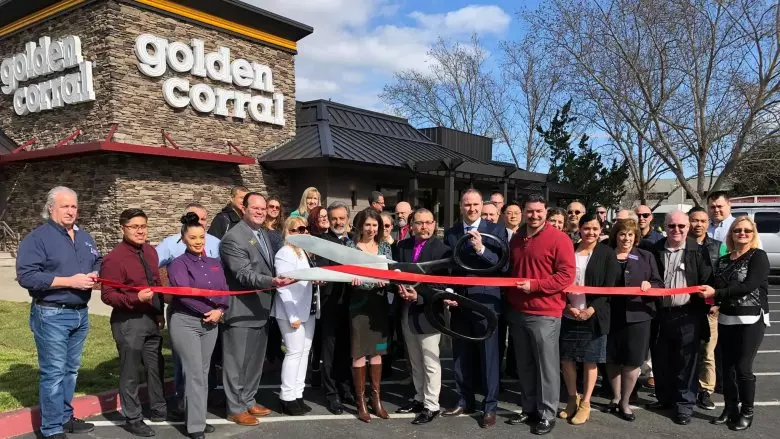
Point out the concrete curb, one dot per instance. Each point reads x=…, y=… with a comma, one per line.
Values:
x=27, y=420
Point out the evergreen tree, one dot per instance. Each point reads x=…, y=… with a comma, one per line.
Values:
x=582, y=168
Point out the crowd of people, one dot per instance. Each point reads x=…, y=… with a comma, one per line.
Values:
x=342, y=333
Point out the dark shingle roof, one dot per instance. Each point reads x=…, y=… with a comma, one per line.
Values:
x=328, y=129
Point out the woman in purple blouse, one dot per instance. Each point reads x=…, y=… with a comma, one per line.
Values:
x=194, y=322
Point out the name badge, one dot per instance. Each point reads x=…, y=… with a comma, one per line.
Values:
x=634, y=257
x=682, y=266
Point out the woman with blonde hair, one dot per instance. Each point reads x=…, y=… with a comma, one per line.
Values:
x=294, y=313
x=741, y=282
x=309, y=200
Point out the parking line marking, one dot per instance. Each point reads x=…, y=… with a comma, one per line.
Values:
x=766, y=373
x=769, y=352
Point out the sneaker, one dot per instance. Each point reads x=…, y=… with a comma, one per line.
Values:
x=704, y=401
x=78, y=426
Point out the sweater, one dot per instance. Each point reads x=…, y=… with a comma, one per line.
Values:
x=547, y=259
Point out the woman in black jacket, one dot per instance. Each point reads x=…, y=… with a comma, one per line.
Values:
x=585, y=322
x=629, y=337
x=741, y=283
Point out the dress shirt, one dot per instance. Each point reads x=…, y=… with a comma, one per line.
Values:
x=418, y=246
x=674, y=276
x=196, y=271
x=123, y=265
x=48, y=252
x=173, y=246
x=475, y=226
x=720, y=231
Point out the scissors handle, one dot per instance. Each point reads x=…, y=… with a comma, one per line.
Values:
x=435, y=297
x=463, y=241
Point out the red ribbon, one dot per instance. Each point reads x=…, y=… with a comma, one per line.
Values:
x=180, y=291
x=377, y=273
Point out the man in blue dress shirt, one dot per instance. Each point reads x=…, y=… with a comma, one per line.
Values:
x=58, y=264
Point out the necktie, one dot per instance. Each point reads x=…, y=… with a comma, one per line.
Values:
x=263, y=246
x=149, y=278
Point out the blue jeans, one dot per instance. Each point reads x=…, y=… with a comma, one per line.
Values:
x=59, y=337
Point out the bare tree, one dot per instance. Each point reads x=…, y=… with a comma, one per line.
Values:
x=451, y=93
x=694, y=79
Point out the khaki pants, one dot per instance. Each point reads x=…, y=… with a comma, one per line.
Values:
x=707, y=374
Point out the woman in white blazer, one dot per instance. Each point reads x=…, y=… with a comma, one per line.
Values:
x=295, y=315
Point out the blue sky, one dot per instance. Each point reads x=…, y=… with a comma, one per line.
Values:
x=357, y=45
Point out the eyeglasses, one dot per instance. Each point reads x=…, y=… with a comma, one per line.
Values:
x=739, y=231
x=387, y=226
x=574, y=212
x=676, y=226
x=136, y=227
x=273, y=207
x=644, y=215
x=301, y=229
x=423, y=223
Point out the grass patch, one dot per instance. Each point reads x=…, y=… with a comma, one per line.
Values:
x=19, y=360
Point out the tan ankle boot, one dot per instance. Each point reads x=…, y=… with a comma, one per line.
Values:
x=583, y=413
x=359, y=377
x=571, y=407
x=376, y=402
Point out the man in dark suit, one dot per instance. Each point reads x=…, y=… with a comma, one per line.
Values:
x=478, y=253
x=681, y=320
x=335, y=354
x=421, y=338
x=247, y=254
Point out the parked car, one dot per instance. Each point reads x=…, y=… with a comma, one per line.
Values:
x=765, y=211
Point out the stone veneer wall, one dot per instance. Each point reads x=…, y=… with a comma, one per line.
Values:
x=107, y=183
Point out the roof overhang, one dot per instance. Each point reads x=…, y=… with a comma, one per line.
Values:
x=79, y=149
x=232, y=16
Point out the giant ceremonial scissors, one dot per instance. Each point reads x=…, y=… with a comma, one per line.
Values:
x=433, y=297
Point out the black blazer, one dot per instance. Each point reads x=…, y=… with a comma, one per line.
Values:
x=698, y=271
x=433, y=249
x=640, y=266
x=603, y=270
x=489, y=296
x=332, y=292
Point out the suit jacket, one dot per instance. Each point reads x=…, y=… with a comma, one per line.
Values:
x=640, y=266
x=698, y=271
x=433, y=249
x=331, y=290
x=247, y=268
x=603, y=270
x=490, y=296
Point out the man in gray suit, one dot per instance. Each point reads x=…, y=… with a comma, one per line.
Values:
x=248, y=257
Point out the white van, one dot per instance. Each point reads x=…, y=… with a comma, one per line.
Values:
x=765, y=211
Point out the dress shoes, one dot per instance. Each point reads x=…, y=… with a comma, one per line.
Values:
x=306, y=407
x=291, y=408
x=729, y=416
x=258, y=410
x=488, y=420
x=744, y=421
x=243, y=418
x=335, y=407
x=349, y=398
x=425, y=416
x=630, y=417
x=77, y=426
x=209, y=429
x=543, y=427
x=139, y=428
x=682, y=419
x=518, y=419
x=457, y=411
x=412, y=407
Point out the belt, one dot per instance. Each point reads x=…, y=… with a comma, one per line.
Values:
x=59, y=305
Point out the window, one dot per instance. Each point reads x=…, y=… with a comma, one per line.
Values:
x=767, y=222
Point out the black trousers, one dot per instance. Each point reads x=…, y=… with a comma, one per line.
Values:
x=739, y=346
x=675, y=352
x=139, y=342
x=335, y=357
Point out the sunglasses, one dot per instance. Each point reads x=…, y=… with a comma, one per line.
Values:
x=740, y=231
x=301, y=229
x=272, y=207
x=388, y=226
x=574, y=212
x=676, y=226
x=644, y=215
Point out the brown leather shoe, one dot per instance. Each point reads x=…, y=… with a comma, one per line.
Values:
x=258, y=410
x=457, y=411
x=489, y=420
x=243, y=418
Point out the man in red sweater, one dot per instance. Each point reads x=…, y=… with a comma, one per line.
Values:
x=545, y=257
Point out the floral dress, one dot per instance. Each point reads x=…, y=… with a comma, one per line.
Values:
x=368, y=310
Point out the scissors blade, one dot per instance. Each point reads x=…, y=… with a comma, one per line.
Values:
x=335, y=252
x=325, y=275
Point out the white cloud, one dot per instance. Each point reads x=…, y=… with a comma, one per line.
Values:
x=358, y=44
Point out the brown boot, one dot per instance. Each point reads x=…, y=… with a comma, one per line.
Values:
x=376, y=402
x=571, y=407
x=359, y=377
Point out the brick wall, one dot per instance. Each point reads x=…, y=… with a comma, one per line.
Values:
x=107, y=183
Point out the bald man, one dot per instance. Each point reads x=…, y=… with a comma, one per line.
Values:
x=401, y=228
x=645, y=220
x=490, y=212
x=625, y=214
x=574, y=212
x=681, y=319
